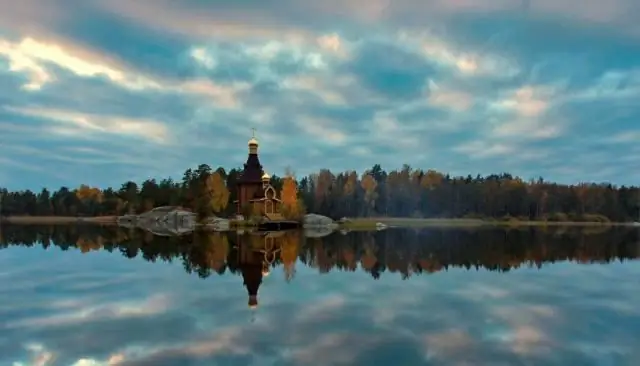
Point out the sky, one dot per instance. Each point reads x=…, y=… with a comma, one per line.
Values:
x=100, y=92
x=102, y=309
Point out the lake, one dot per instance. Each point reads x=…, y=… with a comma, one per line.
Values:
x=82, y=295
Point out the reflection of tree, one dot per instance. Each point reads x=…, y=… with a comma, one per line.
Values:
x=86, y=245
x=404, y=252
x=289, y=255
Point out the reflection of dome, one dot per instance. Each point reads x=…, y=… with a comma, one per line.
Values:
x=253, y=301
x=266, y=272
x=253, y=142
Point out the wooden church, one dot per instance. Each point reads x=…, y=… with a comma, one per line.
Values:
x=255, y=193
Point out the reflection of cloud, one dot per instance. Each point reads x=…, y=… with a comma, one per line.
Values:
x=122, y=310
x=528, y=340
x=448, y=343
x=335, y=318
x=524, y=315
x=229, y=341
x=319, y=309
x=333, y=349
x=479, y=292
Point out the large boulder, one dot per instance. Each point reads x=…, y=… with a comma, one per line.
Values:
x=313, y=220
x=161, y=219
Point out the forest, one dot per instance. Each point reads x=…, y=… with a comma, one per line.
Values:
x=423, y=251
x=404, y=192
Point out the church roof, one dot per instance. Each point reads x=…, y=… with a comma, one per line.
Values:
x=252, y=172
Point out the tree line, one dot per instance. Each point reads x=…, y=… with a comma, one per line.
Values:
x=404, y=192
x=423, y=251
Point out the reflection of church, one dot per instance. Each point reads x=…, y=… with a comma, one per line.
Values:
x=256, y=254
x=255, y=193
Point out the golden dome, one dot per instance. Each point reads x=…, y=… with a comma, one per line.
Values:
x=253, y=142
x=266, y=176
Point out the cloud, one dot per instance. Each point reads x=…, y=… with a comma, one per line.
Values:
x=389, y=70
x=77, y=124
x=30, y=56
x=463, y=87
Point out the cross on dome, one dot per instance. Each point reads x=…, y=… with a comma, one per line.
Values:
x=253, y=140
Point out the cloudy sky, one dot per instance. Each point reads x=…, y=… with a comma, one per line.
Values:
x=100, y=92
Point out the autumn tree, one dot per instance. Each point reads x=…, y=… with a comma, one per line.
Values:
x=89, y=197
x=84, y=192
x=217, y=192
x=291, y=207
x=369, y=185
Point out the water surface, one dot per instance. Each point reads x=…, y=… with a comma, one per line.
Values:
x=77, y=296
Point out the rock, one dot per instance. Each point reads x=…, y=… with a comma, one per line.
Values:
x=313, y=220
x=165, y=220
x=161, y=230
x=127, y=221
x=217, y=224
x=318, y=232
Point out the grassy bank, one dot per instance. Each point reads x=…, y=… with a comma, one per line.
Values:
x=58, y=220
x=370, y=223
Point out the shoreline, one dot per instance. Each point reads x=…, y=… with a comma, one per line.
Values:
x=351, y=223
x=370, y=223
x=58, y=220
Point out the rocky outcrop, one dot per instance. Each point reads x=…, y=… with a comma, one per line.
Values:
x=317, y=221
x=166, y=220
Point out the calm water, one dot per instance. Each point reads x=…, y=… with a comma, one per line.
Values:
x=76, y=296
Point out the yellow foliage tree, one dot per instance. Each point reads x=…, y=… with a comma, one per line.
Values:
x=84, y=192
x=369, y=185
x=217, y=192
x=291, y=207
x=431, y=179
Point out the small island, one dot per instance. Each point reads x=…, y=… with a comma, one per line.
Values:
x=249, y=197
